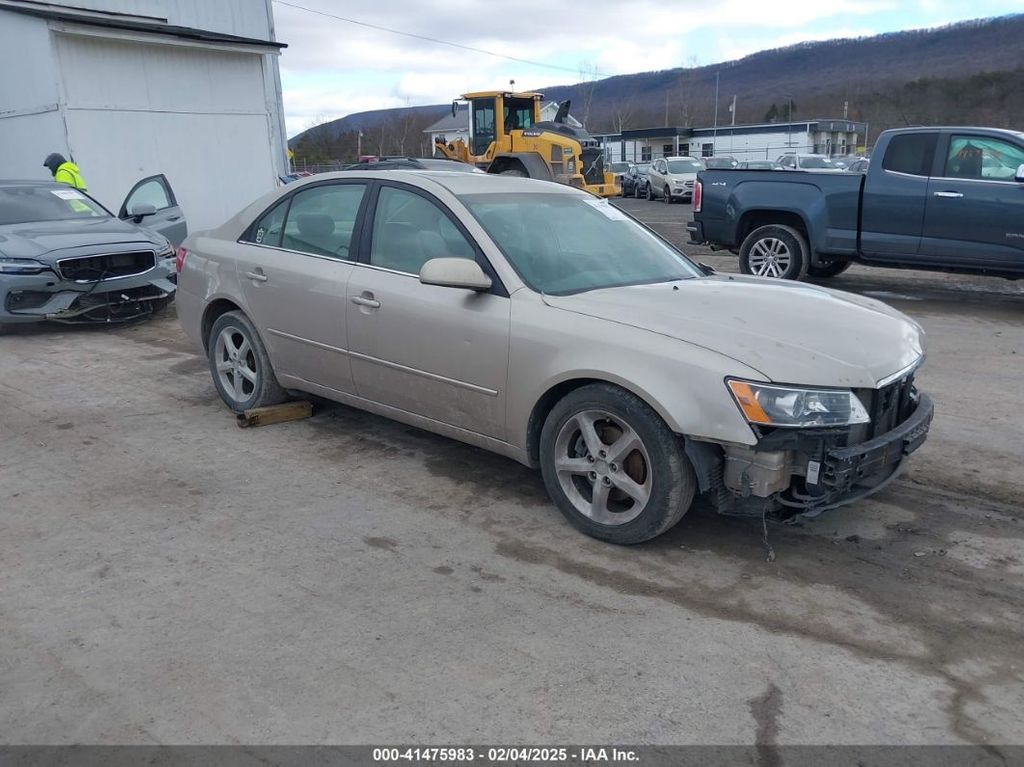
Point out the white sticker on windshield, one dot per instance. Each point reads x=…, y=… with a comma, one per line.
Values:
x=609, y=210
x=68, y=194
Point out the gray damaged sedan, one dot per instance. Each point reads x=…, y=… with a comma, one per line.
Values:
x=533, y=320
x=66, y=258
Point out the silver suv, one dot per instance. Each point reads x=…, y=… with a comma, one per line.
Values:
x=672, y=178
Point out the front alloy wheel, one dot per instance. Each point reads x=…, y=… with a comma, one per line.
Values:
x=612, y=465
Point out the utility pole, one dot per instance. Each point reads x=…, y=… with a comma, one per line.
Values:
x=714, y=140
x=732, y=108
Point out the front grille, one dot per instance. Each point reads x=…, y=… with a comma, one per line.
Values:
x=106, y=267
x=891, y=405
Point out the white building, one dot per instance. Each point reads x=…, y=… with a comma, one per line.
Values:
x=133, y=88
x=744, y=142
x=451, y=128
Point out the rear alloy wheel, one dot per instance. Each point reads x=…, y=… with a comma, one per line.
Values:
x=833, y=268
x=613, y=467
x=668, y=196
x=774, y=251
x=240, y=366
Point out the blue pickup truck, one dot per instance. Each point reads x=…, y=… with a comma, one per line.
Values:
x=947, y=199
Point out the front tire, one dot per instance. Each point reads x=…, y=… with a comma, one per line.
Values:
x=613, y=467
x=776, y=251
x=833, y=268
x=650, y=192
x=637, y=191
x=240, y=365
x=668, y=196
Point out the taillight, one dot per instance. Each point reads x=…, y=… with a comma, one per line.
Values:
x=179, y=259
x=698, y=192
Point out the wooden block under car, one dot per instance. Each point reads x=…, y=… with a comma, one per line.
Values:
x=264, y=416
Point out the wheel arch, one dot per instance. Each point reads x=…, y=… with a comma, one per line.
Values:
x=754, y=219
x=214, y=309
x=531, y=163
x=558, y=389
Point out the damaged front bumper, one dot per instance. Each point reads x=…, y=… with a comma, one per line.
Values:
x=50, y=297
x=808, y=472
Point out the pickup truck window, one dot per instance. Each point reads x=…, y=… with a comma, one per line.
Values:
x=911, y=153
x=980, y=157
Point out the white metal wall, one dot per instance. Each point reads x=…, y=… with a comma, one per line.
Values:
x=196, y=115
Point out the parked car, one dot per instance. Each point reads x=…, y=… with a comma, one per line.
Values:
x=672, y=178
x=933, y=198
x=759, y=165
x=860, y=165
x=812, y=163
x=415, y=163
x=721, y=162
x=536, y=321
x=843, y=163
x=634, y=180
x=66, y=258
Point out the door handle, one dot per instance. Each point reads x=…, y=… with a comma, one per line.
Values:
x=366, y=300
x=258, y=276
x=174, y=218
x=950, y=195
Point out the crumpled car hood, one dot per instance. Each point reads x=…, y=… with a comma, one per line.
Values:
x=790, y=332
x=40, y=239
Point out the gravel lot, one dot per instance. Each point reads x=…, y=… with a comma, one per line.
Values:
x=166, y=577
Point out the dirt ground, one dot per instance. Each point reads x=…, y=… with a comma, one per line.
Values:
x=166, y=577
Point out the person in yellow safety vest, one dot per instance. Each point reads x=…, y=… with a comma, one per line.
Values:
x=64, y=172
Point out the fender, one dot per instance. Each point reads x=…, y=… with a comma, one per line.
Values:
x=533, y=162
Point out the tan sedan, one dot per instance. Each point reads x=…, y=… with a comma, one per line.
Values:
x=536, y=321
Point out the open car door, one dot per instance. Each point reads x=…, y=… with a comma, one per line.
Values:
x=151, y=203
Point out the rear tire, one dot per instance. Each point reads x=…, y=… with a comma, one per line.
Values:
x=240, y=365
x=833, y=268
x=776, y=251
x=638, y=485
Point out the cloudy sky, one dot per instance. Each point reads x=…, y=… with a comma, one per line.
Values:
x=333, y=68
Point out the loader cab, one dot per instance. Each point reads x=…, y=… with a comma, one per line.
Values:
x=493, y=115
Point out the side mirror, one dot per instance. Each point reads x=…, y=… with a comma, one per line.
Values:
x=141, y=210
x=1020, y=173
x=455, y=273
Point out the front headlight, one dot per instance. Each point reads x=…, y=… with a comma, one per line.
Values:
x=768, y=405
x=21, y=266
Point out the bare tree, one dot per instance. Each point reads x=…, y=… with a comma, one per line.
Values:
x=586, y=87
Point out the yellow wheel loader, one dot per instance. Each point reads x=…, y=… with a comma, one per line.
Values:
x=506, y=135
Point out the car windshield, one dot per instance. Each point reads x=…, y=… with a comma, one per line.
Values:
x=619, y=167
x=25, y=204
x=816, y=162
x=643, y=168
x=564, y=243
x=684, y=166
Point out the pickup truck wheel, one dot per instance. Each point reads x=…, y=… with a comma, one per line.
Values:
x=613, y=467
x=650, y=192
x=831, y=269
x=774, y=251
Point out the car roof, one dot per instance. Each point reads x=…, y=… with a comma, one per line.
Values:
x=9, y=182
x=456, y=183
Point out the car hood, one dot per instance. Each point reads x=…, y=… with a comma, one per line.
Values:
x=790, y=332
x=42, y=239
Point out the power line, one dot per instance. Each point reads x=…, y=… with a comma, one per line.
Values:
x=429, y=39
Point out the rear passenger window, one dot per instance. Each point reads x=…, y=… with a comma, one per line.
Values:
x=267, y=231
x=911, y=153
x=321, y=219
